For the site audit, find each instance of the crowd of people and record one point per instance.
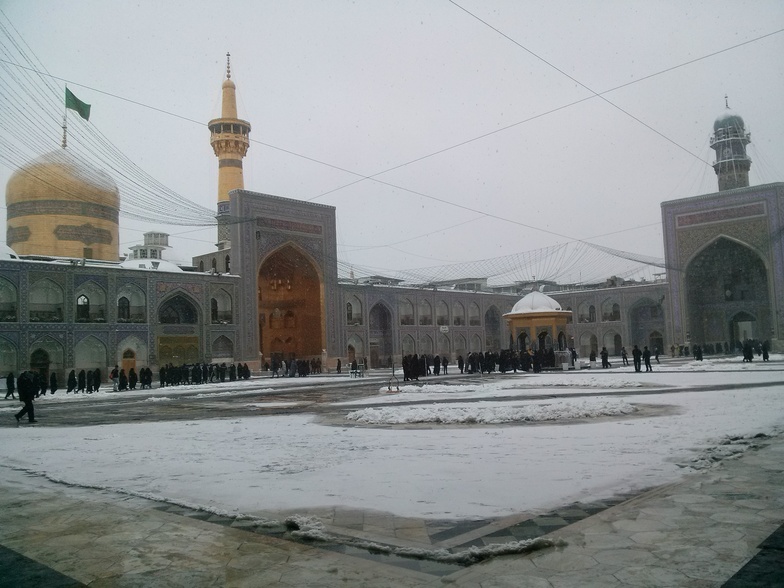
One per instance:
(294, 367)
(197, 373)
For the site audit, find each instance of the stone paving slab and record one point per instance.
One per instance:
(716, 527)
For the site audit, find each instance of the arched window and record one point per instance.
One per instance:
(474, 319)
(442, 313)
(458, 315)
(425, 313)
(220, 308)
(131, 304)
(201, 265)
(46, 302)
(227, 264)
(124, 309)
(406, 312)
(82, 308)
(178, 310)
(592, 314)
(354, 312)
(214, 264)
(611, 311)
(8, 304)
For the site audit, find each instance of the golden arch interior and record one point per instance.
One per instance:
(291, 306)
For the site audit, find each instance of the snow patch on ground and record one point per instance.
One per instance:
(470, 414)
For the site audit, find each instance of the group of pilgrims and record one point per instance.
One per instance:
(202, 373)
(294, 367)
(89, 381)
(476, 362)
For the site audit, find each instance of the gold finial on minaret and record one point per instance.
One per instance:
(726, 99)
(229, 137)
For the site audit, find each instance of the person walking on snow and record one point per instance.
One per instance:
(27, 388)
(9, 386)
(646, 355)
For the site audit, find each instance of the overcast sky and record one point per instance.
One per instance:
(369, 86)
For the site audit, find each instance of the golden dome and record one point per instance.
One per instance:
(61, 175)
(60, 205)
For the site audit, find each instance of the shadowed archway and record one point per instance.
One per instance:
(724, 280)
(291, 305)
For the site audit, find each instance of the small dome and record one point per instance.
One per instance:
(156, 265)
(535, 302)
(228, 83)
(729, 120)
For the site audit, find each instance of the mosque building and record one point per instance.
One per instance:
(68, 300)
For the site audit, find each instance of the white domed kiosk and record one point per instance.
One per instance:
(537, 322)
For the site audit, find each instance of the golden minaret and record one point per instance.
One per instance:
(229, 137)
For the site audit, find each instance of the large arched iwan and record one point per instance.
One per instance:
(291, 305)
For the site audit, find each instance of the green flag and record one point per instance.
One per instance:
(74, 103)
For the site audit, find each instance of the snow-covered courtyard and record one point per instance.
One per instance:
(479, 447)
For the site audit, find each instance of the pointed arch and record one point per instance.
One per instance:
(407, 345)
(354, 311)
(611, 310)
(459, 344)
(425, 344)
(90, 303)
(443, 344)
(9, 302)
(46, 302)
(458, 314)
(90, 353)
(355, 348)
(474, 317)
(381, 335)
(493, 329)
(222, 348)
(291, 288)
(178, 309)
(9, 357)
(131, 304)
(221, 308)
(405, 312)
(442, 313)
(425, 313)
(46, 356)
(723, 278)
(136, 345)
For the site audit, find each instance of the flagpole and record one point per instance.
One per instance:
(65, 124)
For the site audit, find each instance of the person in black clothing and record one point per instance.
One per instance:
(82, 382)
(636, 355)
(123, 381)
(71, 382)
(27, 389)
(605, 355)
(9, 386)
(96, 379)
(646, 355)
(53, 383)
(132, 379)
